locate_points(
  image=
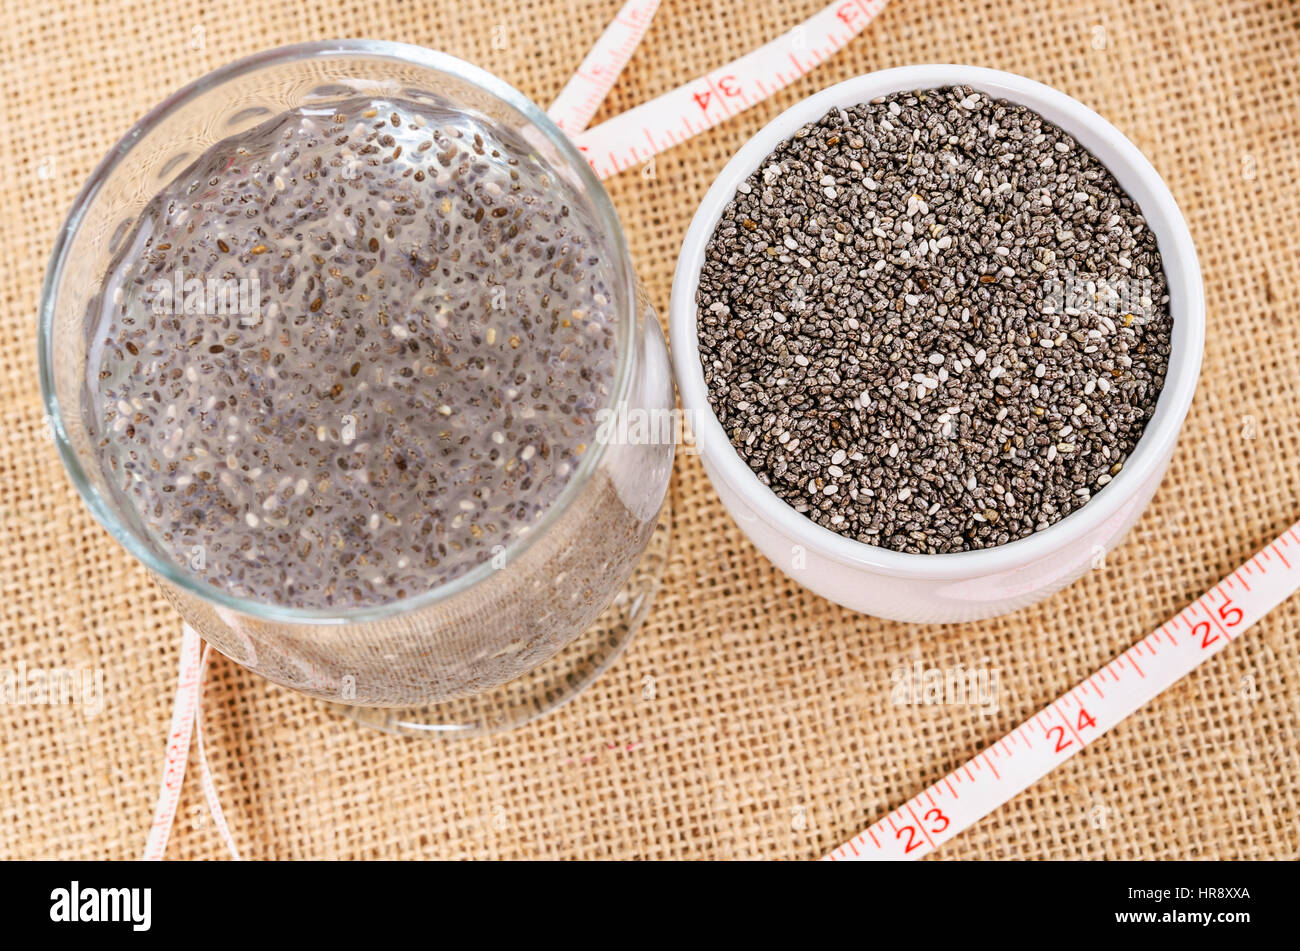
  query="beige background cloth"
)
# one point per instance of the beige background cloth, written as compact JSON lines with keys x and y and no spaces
{"x":770,"y":731}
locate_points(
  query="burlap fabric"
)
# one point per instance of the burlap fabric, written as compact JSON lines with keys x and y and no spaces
{"x":750,"y":718}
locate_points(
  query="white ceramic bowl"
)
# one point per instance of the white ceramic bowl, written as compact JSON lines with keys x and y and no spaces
{"x":964,"y":585}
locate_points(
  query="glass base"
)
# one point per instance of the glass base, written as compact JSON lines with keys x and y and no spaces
{"x":555,"y":682}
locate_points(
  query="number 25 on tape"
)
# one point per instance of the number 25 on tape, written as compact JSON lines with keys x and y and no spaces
{"x":1229,"y":615}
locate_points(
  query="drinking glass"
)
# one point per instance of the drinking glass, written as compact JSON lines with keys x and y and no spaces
{"x":518,"y":634}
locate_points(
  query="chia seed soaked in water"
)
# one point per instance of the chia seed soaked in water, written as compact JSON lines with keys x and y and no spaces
{"x":933,"y":322}
{"x":433,"y":337}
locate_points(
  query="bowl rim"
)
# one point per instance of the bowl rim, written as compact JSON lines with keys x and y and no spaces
{"x":1187,"y":305}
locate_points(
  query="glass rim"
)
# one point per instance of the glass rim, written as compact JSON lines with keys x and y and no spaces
{"x":134,"y":543}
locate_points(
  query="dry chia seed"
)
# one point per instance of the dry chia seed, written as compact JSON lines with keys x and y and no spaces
{"x":435,"y":338}
{"x":933,"y":322}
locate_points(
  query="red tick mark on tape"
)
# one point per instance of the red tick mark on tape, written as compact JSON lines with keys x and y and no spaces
{"x":1208,"y":620}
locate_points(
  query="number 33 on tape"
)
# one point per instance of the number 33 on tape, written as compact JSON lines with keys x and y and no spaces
{"x":1068,"y":724}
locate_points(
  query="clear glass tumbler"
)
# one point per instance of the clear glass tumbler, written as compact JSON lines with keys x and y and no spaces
{"x":518,"y":634}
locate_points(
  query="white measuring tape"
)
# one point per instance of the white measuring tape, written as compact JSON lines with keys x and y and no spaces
{"x":1037,"y":746}
{"x":186,"y":725}
{"x":634,"y":136}
{"x":583,"y":94}
{"x":184,"y":706}
{"x":1063,"y":728}
{"x":1072,"y":721}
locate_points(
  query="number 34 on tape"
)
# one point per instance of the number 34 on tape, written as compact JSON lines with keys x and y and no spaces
{"x":1068,"y":724}
{"x":636,"y":135}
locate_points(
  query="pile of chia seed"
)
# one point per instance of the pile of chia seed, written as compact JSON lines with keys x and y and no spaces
{"x":933,"y":322}
{"x":434,"y":335}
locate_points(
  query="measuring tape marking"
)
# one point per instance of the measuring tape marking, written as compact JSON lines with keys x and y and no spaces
{"x":600,"y":68}
{"x":177,"y":754}
{"x":722,"y":93}
{"x":1085,"y":712}
{"x":205,"y":772}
